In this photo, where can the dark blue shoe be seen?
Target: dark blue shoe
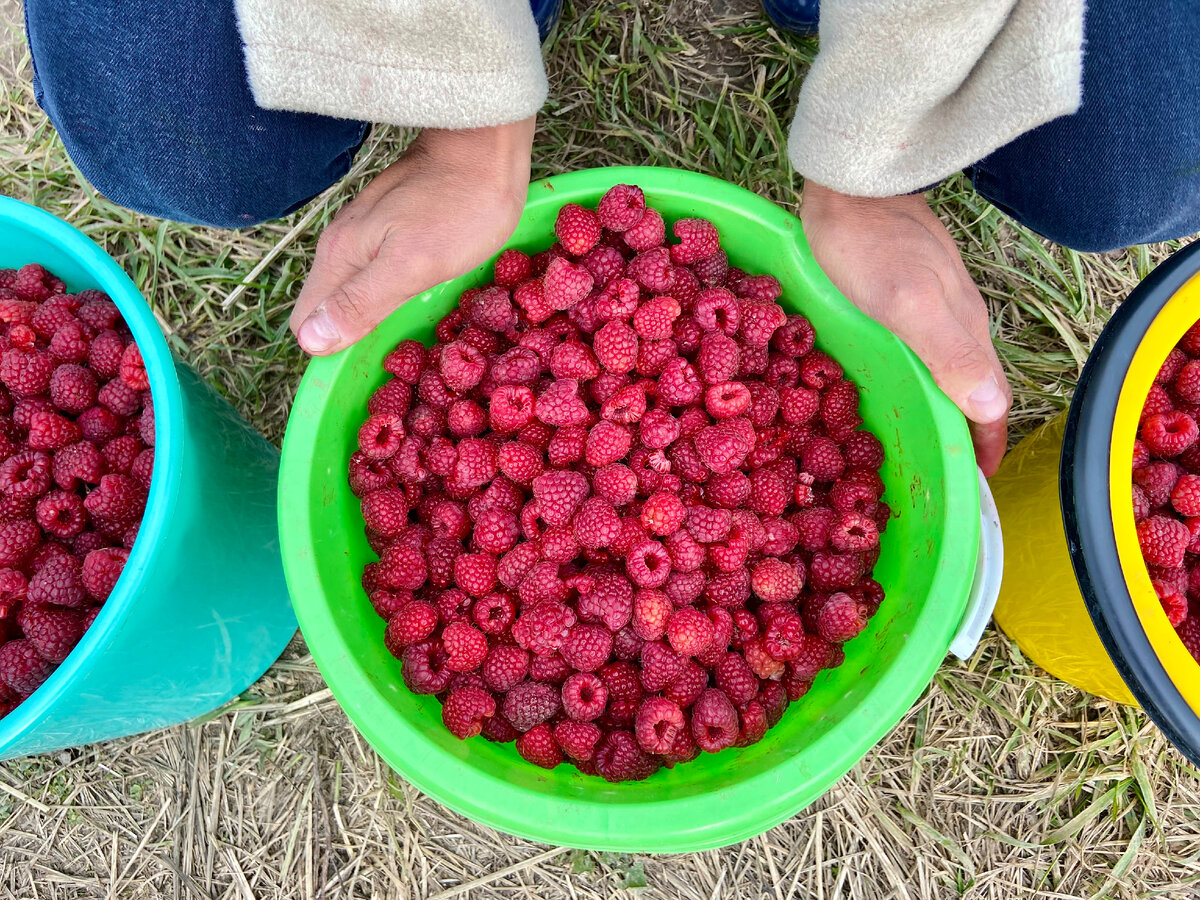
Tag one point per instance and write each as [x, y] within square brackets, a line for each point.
[796, 16]
[546, 12]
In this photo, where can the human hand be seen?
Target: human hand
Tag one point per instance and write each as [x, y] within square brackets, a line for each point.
[896, 262]
[440, 210]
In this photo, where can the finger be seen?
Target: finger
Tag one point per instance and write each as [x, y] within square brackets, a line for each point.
[990, 439]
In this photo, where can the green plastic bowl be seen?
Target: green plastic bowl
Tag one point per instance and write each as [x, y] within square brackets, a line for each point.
[927, 564]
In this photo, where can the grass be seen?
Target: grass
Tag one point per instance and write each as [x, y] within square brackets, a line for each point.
[1000, 783]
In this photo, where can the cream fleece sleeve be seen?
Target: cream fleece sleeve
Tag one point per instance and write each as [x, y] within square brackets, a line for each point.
[906, 92]
[426, 63]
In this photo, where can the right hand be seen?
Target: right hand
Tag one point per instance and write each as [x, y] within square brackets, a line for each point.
[442, 209]
[895, 261]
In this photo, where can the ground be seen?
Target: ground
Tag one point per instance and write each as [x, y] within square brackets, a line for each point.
[1000, 783]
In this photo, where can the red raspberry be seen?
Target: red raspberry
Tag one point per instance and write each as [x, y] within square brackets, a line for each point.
[81, 462]
[841, 618]
[615, 483]
[606, 264]
[1163, 541]
[386, 511]
[573, 359]
[839, 407]
[624, 406]
[649, 232]
[1170, 368]
[412, 623]
[619, 758]
[1189, 632]
[719, 357]
[567, 446]
[1168, 434]
[818, 370]
[658, 724]
[559, 404]
[504, 667]
[59, 581]
[380, 435]
[531, 298]
[466, 647]
[559, 494]
[763, 288]
[728, 490]
[714, 721]
[511, 268]
[609, 601]
[105, 354]
[712, 270]
[466, 418]
[835, 571]
[616, 347]
[492, 311]
[1174, 601]
[651, 612]
[587, 647]
[658, 429]
[727, 399]
[618, 301]
[25, 475]
[722, 448]
[607, 443]
[465, 709]
[854, 532]
[565, 284]
[584, 696]
[14, 311]
[50, 431]
[1158, 480]
[822, 458]
[424, 669]
[22, 668]
[708, 525]
[1141, 505]
[118, 498]
[73, 389]
[62, 514]
[775, 580]
[520, 462]
[101, 570]
[795, 338]
[596, 524]
[18, 539]
[654, 319]
[477, 463]
[690, 631]
[26, 373]
[538, 746]
[577, 229]
[660, 666]
[530, 703]
[578, 740]
[133, 369]
[1185, 496]
[621, 207]
[663, 513]
[475, 573]
[679, 385]
[863, 450]
[494, 613]
[33, 282]
[1187, 381]
[769, 495]
[542, 628]
[648, 564]
[698, 239]
[69, 344]
[406, 362]
[53, 631]
[461, 365]
[496, 531]
[760, 320]
[120, 453]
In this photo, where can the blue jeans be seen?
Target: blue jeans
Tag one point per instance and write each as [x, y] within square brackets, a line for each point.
[159, 117]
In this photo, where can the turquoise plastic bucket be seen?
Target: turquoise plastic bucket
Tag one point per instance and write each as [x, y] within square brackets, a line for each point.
[202, 609]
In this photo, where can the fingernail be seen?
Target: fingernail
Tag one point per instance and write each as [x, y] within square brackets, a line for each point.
[318, 333]
[988, 401]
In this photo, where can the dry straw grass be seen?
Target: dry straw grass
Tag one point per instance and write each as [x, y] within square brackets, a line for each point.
[1001, 782]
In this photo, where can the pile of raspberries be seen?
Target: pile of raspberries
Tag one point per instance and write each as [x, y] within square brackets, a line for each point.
[1166, 487]
[623, 508]
[76, 452]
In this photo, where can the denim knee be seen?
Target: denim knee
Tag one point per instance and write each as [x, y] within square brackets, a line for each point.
[153, 106]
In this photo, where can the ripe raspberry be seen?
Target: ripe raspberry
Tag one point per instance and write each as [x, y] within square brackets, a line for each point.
[559, 404]
[50, 431]
[461, 366]
[584, 696]
[538, 746]
[660, 666]
[607, 443]
[690, 631]
[26, 373]
[1189, 632]
[822, 458]
[729, 490]
[596, 524]
[466, 418]
[769, 495]
[22, 668]
[466, 647]
[465, 709]
[530, 703]
[835, 571]
[380, 435]
[80, 462]
[663, 513]
[648, 564]
[1174, 601]
[511, 268]
[1163, 541]
[606, 264]
[424, 668]
[587, 647]
[616, 483]
[818, 370]
[58, 581]
[73, 389]
[411, 624]
[494, 613]
[1185, 496]
[133, 369]
[565, 284]
[101, 570]
[25, 475]
[1187, 382]
[654, 319]
[649, 232]
[760, 321]
[616, 347]
[504, 667]
[52, 631]
[18, 539]
[406, 362]
[577, 229]
[1158, 480]
[118, 498]
[610, 601]
[1168, 434]
[841, 618]
[698, 239]
[722, 448]
[763, 288]
[719, 357]
[69, 344]
[475, 573]
[105, 354]
[621, 207]
[714, 721]
[578, 740]
[775, 580]
[854, 532]
[542, 628]
[619, 758]
[651, 611]
[712, 270]
[624, 406]
[386, 511]
[120, 453]
[567, 446]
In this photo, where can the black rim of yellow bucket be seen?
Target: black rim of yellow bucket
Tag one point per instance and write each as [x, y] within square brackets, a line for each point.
[1095, 493]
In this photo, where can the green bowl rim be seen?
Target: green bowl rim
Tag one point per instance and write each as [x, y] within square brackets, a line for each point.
[711, 819]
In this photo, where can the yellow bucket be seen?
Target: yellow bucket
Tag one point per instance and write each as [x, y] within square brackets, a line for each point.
[1076, 596]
